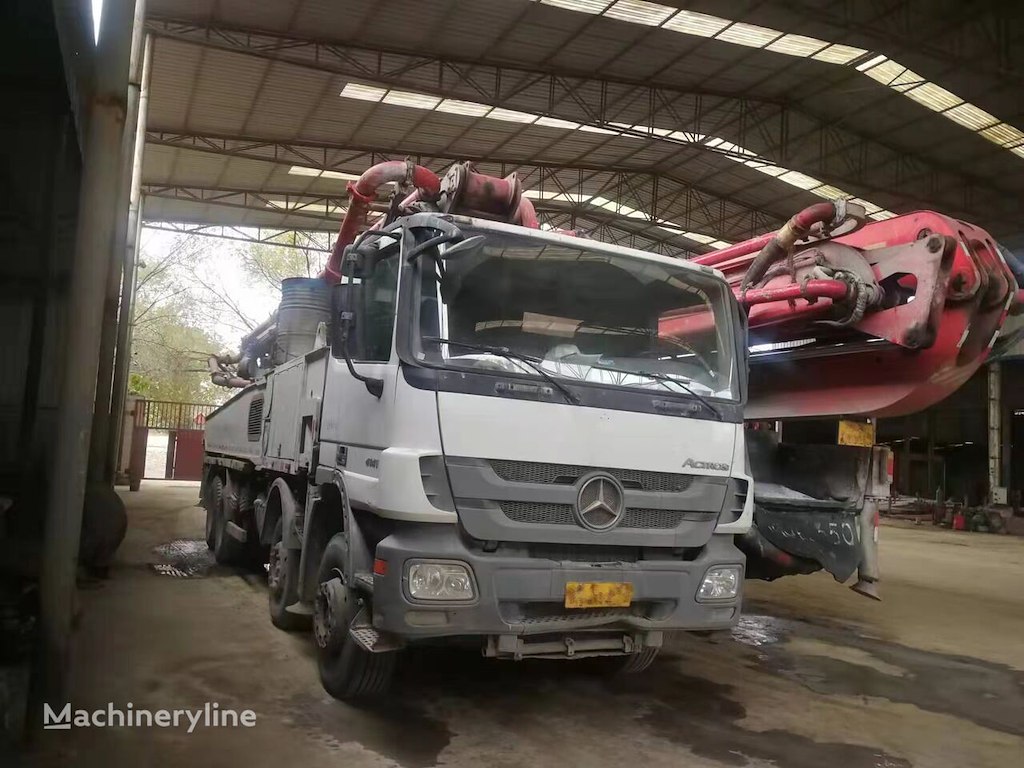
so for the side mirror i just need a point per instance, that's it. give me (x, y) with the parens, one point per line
(347, 321)
(357, 261)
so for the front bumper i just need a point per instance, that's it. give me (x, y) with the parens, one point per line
(521, 592)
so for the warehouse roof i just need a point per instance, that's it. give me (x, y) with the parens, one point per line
(676, 129)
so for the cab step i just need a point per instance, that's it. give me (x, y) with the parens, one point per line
(370, 639)
(364, 582)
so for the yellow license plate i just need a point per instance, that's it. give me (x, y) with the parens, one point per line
(598, 594)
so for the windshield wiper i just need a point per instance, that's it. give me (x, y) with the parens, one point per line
(664, 378)
(531, 362)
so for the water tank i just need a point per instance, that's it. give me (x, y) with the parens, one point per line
(305, 303)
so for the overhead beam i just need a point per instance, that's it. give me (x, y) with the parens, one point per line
(663, 196)
(323, 213)
(302, 239)
(319, 210)
(783, 133)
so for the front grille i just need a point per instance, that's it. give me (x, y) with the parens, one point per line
(567, 474)
(562, 514)
(538, 512)
(598, 553)
(640, 517)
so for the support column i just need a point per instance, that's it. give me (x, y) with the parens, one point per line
(101, 435)
(107, 102)
(996, 491)
(129, 275)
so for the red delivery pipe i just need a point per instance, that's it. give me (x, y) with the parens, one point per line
(361, 195)
(734, 251)
(526, 214)
(836, 290)
(694, 322)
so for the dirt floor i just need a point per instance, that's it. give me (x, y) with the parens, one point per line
(813, 676)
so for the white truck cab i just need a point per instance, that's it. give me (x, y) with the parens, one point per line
(492, 441)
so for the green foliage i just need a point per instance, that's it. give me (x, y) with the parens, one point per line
(170, 344)
(268, 265)
(199, 297)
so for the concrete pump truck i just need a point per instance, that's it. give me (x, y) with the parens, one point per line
(471, 429)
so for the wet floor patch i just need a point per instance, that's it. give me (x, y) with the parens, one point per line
(703, 716)
(184, 559)
(398, 731)
(833, 660)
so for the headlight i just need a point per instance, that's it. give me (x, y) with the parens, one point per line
(440, 581)
(720, 583)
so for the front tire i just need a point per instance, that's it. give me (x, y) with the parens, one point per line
(283, 584)
(347, 671)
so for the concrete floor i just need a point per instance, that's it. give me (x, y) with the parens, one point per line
(814, 675)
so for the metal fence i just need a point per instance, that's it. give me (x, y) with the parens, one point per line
(160, 414)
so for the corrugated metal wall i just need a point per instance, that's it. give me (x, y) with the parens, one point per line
(39, 186)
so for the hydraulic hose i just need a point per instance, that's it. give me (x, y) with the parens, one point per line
(780, 246)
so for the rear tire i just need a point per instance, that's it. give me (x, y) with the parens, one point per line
(256, 553)
(283, 584)
(347, 671)
(213, 501)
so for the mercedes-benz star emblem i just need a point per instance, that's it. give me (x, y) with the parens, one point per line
(599, 504)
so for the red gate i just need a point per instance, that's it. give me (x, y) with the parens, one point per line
(181, 424)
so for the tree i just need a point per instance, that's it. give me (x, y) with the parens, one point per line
(197, 296)
(268, 265)
(171, 341)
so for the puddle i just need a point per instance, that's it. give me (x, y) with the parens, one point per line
(803, 646)
(757, 631)
(184, 559)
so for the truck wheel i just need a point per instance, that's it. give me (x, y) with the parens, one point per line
(256, 553)
(283, 584)
(227, 550)
(212, 502)
(347, 671)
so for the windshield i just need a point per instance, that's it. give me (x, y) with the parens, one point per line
(578, 314)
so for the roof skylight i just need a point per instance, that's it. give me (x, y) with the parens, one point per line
(729, 149)
(639, 12)
(877, 66)
(302, 170)
(596, 201)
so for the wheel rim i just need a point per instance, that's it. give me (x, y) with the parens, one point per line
(331, 616)
(274, 569)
